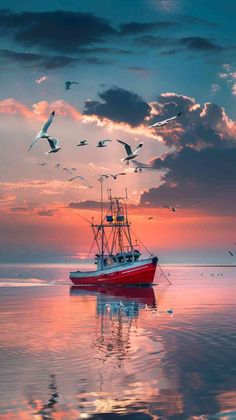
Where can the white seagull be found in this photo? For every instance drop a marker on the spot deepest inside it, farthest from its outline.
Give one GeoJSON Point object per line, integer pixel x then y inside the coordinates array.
{"type": "Point", "coordinates": [68, 84]}
{"type": "Point", "coordinates": [82, 179]}
{"type": "Point", "coordinates": [83, 143]}
{"type": "Point", "coordinates": [54, 144]}
{"type": "Point", "coordinates": [116, 175]}
{"type": "Point", "coordinates": [102, 143]}
{"type": "Point", "coordinates": [164, 122]}
{"type": "Point", "coordinates": [130, 155]}
{"type": "Point", "coordinates": [43, 133]}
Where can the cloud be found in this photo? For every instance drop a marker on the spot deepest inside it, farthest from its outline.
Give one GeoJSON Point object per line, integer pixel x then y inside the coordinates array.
{"type": "Point", "coordinates": [200, 44]}
{"type": "Point", "coordinates": [201, 179]}
{"type": "Point", "coordinates": [133, 28]}
{"type": "Point", "coordinates": [200, 171]}
{"type": "Point", "coordinates": [21, 209]}
{"type": "Point", "coordinates": [119, 105]}
{"type": "Point", "coordinates": [215, 87]}
{"type": "Point", "coordinates": [87, 204]}
{"type": "Point", "coordinates": [37, 61]}
{"type": "Point", "coordinates": [229, 75]}
{"type": "Point", "coordinates": [47, 213]}
{"type": "Point", "coordinates": [45, 29]}
{"type": "Point", "coordinates": [39, 110]}
{"type": "Point", "coordinates": [173, 45]}
{"type": "Point", "coordinates": [198, 126]}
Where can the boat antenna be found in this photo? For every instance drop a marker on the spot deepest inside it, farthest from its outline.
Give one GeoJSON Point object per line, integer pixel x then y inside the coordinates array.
{"type": "Point", "coordinates": [101, 179]}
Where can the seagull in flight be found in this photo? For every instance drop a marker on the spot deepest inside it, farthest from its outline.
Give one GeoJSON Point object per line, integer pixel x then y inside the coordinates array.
{"type": "Point", "coordinates": [58, 165]}
{"type": "Point", "coordinates": [130, 155]}
{"type": "Point", "coordinates": [164, 122]}
{"type": "Point", "coordinates": [43, 133]}
{"type": "Point", "coordinates": [230, 252]}
{"type": "Point", "coordinates": [54, 144]}
{"type": "Point", "coordinates": [42, 164]}
{"type": "Point", "coordinates": [170, 208]}
{"type": "Point", "coordinates": [83, 143]}
{"type": "Point", "coordinates": [102, 143]}
{"type": "Point", "coordinates": [82, 179]}
{"type": "Point", "coordinates": [68, 84]}
{"type": "Point", "coordinates": [116, 175]}
{"type": "Point", "coordinates": [104, 176]}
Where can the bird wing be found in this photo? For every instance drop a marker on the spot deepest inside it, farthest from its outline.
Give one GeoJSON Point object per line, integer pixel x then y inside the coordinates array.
{"type": "Point", "coordinates": [121, 173]}
{"type": "Point", "coordinates": [105, 141]}
{"type": "Point", "coordinates": [138, 148]}
{"type": "Point", "coordinates": [49, 122]}
{"type": "Point", "coordinates": [52, 142]}
{"type": "Point", "coordinates": [126, 146]}
{"type": "Point", "coordinates": [158, 124]}
{"type": "Point", "coordinates": [74, 83]}
{"type": "Point", "coordinates": [35, 141]}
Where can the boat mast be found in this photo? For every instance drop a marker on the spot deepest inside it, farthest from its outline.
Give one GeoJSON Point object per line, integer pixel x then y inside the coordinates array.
{"type": "Point", "coordinates": [101, 224]}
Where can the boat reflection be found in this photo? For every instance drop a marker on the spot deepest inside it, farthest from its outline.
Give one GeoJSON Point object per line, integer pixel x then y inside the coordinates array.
{"type": "Point", "coordinates": [117, 309]}
{"type": "Point", "coordinates": [117, 300]}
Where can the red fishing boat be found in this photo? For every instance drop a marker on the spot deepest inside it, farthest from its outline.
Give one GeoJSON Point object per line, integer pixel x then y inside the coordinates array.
{"type": "Point", "coordinates": [118, 259]}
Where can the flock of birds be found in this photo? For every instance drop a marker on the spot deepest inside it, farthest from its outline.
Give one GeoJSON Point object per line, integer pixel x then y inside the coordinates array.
{"type": "Point", "coordinates": [130, 154]}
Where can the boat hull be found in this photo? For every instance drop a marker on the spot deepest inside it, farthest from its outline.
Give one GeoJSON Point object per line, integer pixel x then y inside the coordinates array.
{"type": "Point", "coordinates": [141, 272]}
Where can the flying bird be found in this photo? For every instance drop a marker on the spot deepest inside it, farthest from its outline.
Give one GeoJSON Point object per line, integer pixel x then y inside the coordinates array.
{"type": "Point", "coordinates": [82, 179]}
{"type": "Point", "coordinates": [150, 218]}
{"type": "Point", "coordinates": [41, 79]}
{"type": "Point", "coordinates": [102, 143]}
{"type": "Point", "coordinates": [170, 208]}
{"type": "Point", "coordinates": [231, 253]}
{"type": "Point", "coordinates": [104, 176]}
{"type": "Point", "coordinates": [83, 143]}
{"type": "Point", "coordinates": [58, 165]}
{"type": "Point", "coordinates": [164, 122]}
{"type": "Point", "coordinates": [43, 133]}
{"type": "Point", "coordinates": [54, 144]}
{"type": "Point", "coordinates": [130, 155]}
{"type": "Point", "coordinates": [116, 175]}
{"type": "Point", "coordinates": [68, 84]}
{"type": "Point", "coordinates": [66, 169]}
{"type": "Point", "coordinates": [42, 164]}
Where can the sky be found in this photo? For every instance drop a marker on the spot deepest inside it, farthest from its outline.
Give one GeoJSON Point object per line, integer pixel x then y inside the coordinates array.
{"type": "Point", "coordinates": [135, 62]}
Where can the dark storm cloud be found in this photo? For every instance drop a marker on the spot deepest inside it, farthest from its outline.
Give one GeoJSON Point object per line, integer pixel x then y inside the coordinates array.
{"type": "Point", "coordinates": [133, 28]}
{"type": "Point", "coordinates": [203, 179]}
{"type": "Point", "coordinates": [36, 60]}
{"type": "Point", "coordinates": [119, 105]}
{"type": "Point", "coordinates": [60, 31]}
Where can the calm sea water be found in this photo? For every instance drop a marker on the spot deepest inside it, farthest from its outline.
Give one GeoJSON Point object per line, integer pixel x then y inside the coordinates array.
{"type": "Point", "coordinates": [164, 352]}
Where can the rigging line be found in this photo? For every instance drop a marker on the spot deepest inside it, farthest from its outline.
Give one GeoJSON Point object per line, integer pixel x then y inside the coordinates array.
{"type": "Point", "coordinates": [91, 248]}
{"type": "Point", "coordinates": [141, 242]}
{"type": "Point", "coordinates": [164, 274]}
